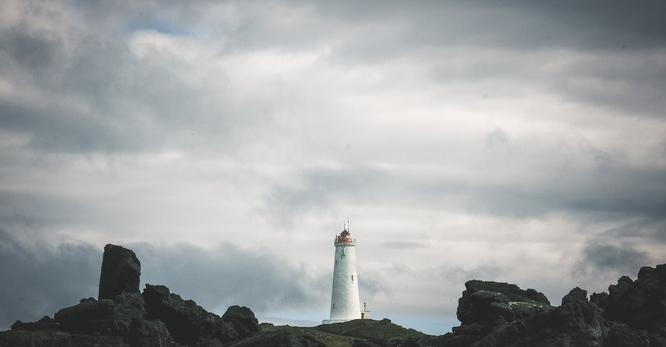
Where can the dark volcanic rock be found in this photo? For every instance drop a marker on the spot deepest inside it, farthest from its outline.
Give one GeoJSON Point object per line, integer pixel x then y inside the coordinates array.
{"type": "Point", "coordinates": [146, 333]}
{"type": "Point", "coordinates": [621, 335]}
{"type": "Point", "coordinates": [84, 318]}
{"type": "Point", "coordinates": [122, 317]}
{"type": "Point", "coordinates": [105, 317]}
{"type": "Point", "coordinates": [575, 295]}
{"type": "Point", "coordinates": [641, 304]}
{"type": "Point", "coordinates": [190, 324]}
{"type": "Point", "coordinates": [494, 303]}
{"type": "Point", "coordinates": [121, 271]}
{"type": "Point", "coordinates": [46, 323]}
{"type": "Point", "coordinates": [599, 299]}
{"type": "Point", "coordinates": [187, 322]}
{"type": "Point", "coordinates": [241, 320]}
{"type": "Point", "coordinates": [576, 323]}
{"type": "Point", "coordinates": [486, 306]}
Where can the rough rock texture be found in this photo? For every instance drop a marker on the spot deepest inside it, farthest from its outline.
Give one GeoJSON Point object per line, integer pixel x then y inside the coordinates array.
{"type": "Point", "coordinates": [189, 323]}
{"type": "Point", "coordinates": [495, 303]}
{"type": "Point", "coordinates": [120, 273]}
{"type": "Point", "coordinates": [632, 314]}
{"type": "Point", "coordinates": [106, 317]}
{"type": "Point", "coordinates": [46, 323]}
{"type": "Point", "coordinates": [641, 304]}
{"type": "Point", "coordinates": [576, 323]}
{"type": "Point", "coordinates": [241, 320]}
{"type": "Point", "coordinates": [485, 306]}
{"type": "Point", "coordinates": [492, 314]}
{"type": "Point", "coordinates": [123, 318]}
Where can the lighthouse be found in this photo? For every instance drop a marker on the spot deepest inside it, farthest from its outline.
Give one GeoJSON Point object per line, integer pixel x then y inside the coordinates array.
{"type": "Point", "coordinates": [345, 303]}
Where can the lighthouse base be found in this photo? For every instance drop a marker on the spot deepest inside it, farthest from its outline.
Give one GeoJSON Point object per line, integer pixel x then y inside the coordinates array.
{"type": "Point", "coordinates": [333, 321]}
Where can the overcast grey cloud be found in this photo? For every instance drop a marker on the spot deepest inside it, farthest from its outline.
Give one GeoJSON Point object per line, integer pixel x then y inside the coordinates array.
{"type": "Point", "coordinates": [462, 139]}
{"type": "Point", "coordinates": [610, 257]}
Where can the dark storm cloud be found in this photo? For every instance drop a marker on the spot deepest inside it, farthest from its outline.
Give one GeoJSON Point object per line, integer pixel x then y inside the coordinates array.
{"type": "Point", "coordinates": [30, 51]}
{"type": "Point", "coordinates": [114, 112]}
{"type": "Point", "coordinates": [600, 256]}
{"type": "Point", "coordinates": [652, 228]}
{"type": "Point", "coordinates": [112, 84]}
{"type": "Point", "coordinates": [54, 128]}
{"type": "Point", "coordinates": [227, 275]}
{"type": "Point", "coordinates": [520, 24]}
{"type": "Point", "coordinates": [610, 191]}
{"type": "Point", "coordinates": [38, 280]}
{"type": "Point", "coordinates": [82, 90]}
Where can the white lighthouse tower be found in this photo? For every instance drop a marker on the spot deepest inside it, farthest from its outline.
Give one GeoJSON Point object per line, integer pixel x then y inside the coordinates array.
{"type": "Point", "coordinates": [345, 303]}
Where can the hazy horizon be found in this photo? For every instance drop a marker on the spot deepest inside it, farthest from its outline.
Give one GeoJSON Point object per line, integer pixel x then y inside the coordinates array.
{"type": "Point", "coordinates": [227, 142]}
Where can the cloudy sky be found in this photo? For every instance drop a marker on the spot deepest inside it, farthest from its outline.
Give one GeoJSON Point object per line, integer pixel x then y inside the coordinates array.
{"type": "Point", "coordinates": [227, 142]}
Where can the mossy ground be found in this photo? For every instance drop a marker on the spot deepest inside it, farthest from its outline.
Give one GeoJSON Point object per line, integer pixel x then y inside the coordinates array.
{"type": "Point", "coordinates": [373, 332]}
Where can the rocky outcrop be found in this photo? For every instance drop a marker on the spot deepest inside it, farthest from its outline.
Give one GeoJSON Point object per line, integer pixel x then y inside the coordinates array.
{"type": "Point", "coordinates": [492, 314]}
{"type": "Point", "coordinates": [46, 323]}
{"type": "Point", "coordinates": [189, 323]}
{"type": "Point", "coordinates": [631, 314]}
{"type": "Point", "coordinates": [576, 323]}
{"type": "Point", "coordinates": [124, 317]}
{"type": "Point", "coordinates": [240, 321]}
{"type": "Point", "coordinates": [486, 306]}
{"type": "Point", "coordinates": [641, 304]}
{"type": "Point", "coordinates": [121, 272]}
{"type": "Point", "coordinates": [496, 303]}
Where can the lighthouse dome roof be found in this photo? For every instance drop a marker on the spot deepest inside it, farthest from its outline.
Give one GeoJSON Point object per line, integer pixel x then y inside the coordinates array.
{"type": "Point", "coordinates": [344, 238]}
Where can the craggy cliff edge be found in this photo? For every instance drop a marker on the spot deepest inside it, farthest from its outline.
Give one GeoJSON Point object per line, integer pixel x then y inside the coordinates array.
{"type": "Point", "coordinates": [632, 313]}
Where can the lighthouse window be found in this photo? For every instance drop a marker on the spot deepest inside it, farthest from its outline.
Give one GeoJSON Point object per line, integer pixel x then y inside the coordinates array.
{"type": "Point", "coordinates": [352, 278]}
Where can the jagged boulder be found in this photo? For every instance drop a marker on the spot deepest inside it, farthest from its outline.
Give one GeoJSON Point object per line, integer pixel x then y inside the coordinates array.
{"type": "Point", "coordinates": [105, 317]}
{"type": "Point", "coordinates": [190, 324]}
{"type": "Point", "coordinates": [641, 304]}
{"type": "Point", "coordinates": [242, 321]}
{"type": "Point", "coordinates": [121, 272]}
{"type": "Point", "coordinates": [495, 303]}
{"type": "Point", "coordinates": [123, 317]}
{"type": "Point", "coordinates": [576, 323]}
{"type": "Point", "coordinates": [86, 317]}
{"type": "Point", "coordinates": [147, 333]}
